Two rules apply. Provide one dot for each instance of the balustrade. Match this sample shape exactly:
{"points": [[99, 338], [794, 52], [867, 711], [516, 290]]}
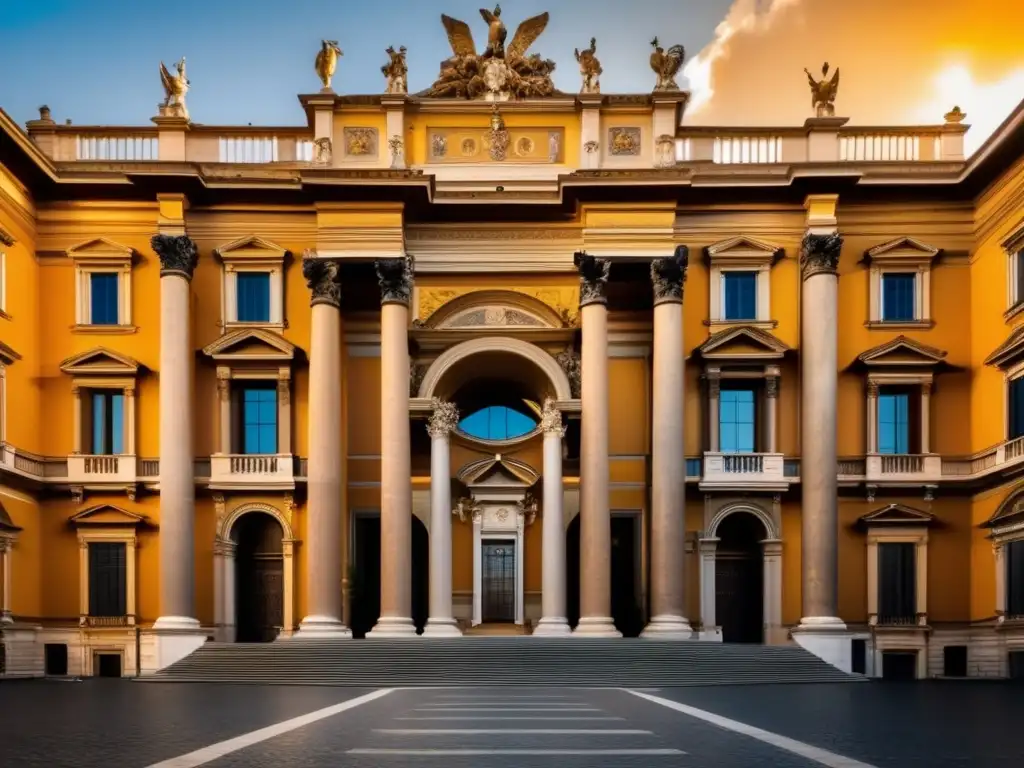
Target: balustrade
{"points": [[126, 148]]}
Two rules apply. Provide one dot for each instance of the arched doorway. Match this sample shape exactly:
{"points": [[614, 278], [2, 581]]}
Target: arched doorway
{"points": [[739, 579], [259, 578]]}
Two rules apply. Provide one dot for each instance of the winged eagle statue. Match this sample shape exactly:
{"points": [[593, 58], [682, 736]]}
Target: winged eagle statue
{"points": [[175, 88], [326, 62], [503, 70], [823, 92], [666, 65]]}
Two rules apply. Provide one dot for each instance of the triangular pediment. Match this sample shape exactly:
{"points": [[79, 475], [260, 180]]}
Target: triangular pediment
{"points": [[6, 524], [8, 355], [1010, 351], [743, 248], [903, 353], [1009, 516], [101, 249], [251, 344], [252, 247], [498, 472], [897, 514], [107, 515], [744, 342], [905, 249], [101, 362]]}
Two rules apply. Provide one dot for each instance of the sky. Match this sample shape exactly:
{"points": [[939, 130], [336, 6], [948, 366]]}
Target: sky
{"points": [[901, 61]]}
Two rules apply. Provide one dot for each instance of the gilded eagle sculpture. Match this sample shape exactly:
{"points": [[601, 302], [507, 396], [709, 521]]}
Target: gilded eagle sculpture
{"points": [[326, 63], [666, 65], [824, 91], [175, 88], [502, 71]]}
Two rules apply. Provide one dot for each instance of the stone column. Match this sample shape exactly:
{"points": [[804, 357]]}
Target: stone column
{"points": [[443, 422], [325, 471], [819, 464], [79, 443], [553, 620], [396, 278], [668, 460], [714, 385], [872, 425], [771, 412], [224, 409], [595, 515], [926, 408], [178, 260], [5, 574]]}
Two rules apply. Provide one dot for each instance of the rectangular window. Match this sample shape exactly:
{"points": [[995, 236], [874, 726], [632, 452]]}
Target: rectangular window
{"points": [[103, 298], [898, 290], [1015, 579], [259, 420], [107, 423], [107, 579], [1018, 263], [897, 596], [253, 290], [736, 420], [894, 422], [740, 295], [1016, 403]]}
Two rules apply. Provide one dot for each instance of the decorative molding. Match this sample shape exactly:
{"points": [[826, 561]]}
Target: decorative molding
{"points": [[323, 280], [771, 386], [554, 307], [361, 142], [819, 254], [443, 420], [903, 353], [6, 238], [101, 362], [253, 344], [497, 472], [744, 342], [625, 141], [101, 250], [178, 255], [743, 250], [668, 276], [7, 355], [226, 524], [395, 277], [467, 507], [107, 515], [902, 250], [593, 278], [551, 419], [252, 247], [897, 514]]}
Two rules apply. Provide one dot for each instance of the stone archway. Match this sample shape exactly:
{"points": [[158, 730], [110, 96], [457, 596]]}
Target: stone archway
{"points": [[225, 550], [761, 531]]}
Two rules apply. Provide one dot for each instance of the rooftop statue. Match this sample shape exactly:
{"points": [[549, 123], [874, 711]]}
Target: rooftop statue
{"points": [[666, 65], [501, 72], [327, 62], [823, 92], [175, 88], [590, 68], [396, 71]]}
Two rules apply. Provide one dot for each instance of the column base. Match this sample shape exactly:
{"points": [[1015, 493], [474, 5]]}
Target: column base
{"points": [[827, 638], [322, 628], [160, 647], [667, 627], [552, 626], [441, 628], [176, 623], [392, 627], [596, 626]]}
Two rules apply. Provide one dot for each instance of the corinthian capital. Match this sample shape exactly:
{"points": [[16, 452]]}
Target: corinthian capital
{"points": [[444, 420], [820, 253], [395, 278], [178, 255], [668, 276], [323, 280], [551, 419], [593, 278]]}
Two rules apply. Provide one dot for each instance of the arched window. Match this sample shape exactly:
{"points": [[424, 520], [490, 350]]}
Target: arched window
{"points": [[497, 422]]}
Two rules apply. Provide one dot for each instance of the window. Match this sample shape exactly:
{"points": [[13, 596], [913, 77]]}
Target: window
{"points": [[1018, 274], [103, 282], [739, 295], [736, 420], [1015, 579], [104, 301], [1016, 408], [898, 292], [107, 579], [897, 598], [3, 279], [253, 297], [259, 420], [894, 422], [497, 422], [107, 423]]}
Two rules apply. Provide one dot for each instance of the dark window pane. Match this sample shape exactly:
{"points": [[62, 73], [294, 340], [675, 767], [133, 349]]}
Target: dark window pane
{"points": [[104, 299], [898, 289], [107, 579], [740, 295], [107, 423], [1016, 401], [1015, 578], [897, 597], [253, 294]]}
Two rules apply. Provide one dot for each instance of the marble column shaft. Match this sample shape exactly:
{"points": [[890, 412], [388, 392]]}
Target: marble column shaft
{"points": [[325, 470], [553, 599], [178, 260], [443, 421], [819, 463]]}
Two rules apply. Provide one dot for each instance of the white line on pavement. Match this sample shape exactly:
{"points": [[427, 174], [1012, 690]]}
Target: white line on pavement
{"points": [[501, 698], [220, 749], [517, 731], [506, 709], [545, 718], [515, 752], [818, 755]]}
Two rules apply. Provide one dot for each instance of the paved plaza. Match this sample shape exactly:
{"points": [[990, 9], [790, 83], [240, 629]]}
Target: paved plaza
{"points": [[134, 725]]}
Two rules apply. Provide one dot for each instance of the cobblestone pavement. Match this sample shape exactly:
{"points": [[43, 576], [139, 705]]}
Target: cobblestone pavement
{"points": [[97, 722]]}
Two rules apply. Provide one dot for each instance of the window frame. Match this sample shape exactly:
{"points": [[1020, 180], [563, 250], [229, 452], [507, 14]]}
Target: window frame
{"points": [[915, 279], [726, 274], [1013, 246], [908, 422], [535, 423], [232, 380], [899, 528], [102, 256], [92, 548], [109, 394], [740, 385], [741, 254], [252, 254], [240, 405], [902, 255], [121, 534]]}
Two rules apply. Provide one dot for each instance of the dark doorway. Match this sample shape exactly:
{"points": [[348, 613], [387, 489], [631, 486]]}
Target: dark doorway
{"points": [[572, 572], [420, 574], [954, 661], [108, 665], [364, 578], [739, 579], [55, 659], [498, 581], [626, 611], [259, 578], [899, 665]]}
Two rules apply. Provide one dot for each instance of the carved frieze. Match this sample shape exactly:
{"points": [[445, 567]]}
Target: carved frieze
{"points": [[497, 143], [494, 317], [178, 255], [569, 360], [593, 278], [443, 420], [361, 142], [820, 254], [624, 142], [668, 276], [565, 301], [323, 279], [395, 277]]}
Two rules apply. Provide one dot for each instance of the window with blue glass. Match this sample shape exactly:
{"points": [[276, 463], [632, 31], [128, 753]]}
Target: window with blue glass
{"points": [[103, 298], [259, 420], [736, 420], [497, 422], [253, 293], [1016, 402], [893, 422], [107, 423], [739, 291], [898, 296]]}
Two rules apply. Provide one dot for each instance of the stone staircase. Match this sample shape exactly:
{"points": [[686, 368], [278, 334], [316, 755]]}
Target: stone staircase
{"points": [[497, 630], [499, 661]]}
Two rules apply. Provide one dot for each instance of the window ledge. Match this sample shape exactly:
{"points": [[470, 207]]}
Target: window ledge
{"points": [[113, 330], [1009, 314], [763, 324], [235, 325], [899, 325]]}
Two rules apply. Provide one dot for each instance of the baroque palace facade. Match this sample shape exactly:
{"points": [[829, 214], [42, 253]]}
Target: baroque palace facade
{"points": [[497, 358]]}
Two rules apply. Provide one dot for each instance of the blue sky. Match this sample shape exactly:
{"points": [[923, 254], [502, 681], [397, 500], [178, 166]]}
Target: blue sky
{"points": [[96, 61]]}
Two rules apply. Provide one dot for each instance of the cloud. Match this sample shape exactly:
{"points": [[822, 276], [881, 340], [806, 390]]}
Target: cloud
{"points": [[902, 61]]}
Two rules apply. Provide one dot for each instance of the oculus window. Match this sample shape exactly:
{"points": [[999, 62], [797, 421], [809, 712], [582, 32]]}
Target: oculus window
{"points": [[498, 422]]}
